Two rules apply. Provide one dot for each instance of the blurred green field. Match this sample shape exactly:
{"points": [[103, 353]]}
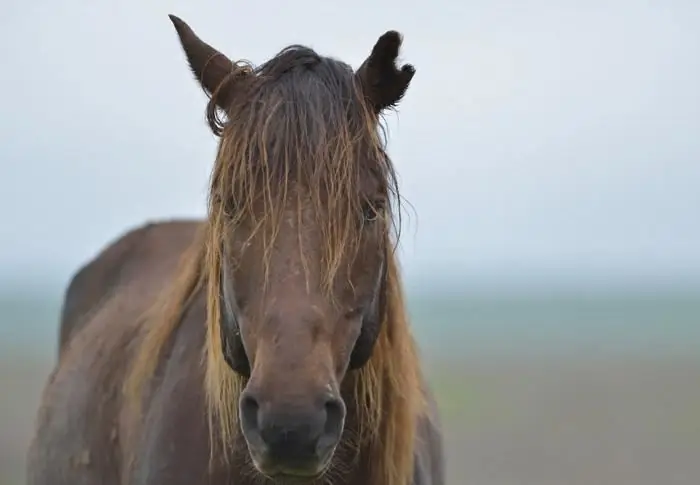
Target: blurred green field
{"points": [[582, 325], [533, 390]]}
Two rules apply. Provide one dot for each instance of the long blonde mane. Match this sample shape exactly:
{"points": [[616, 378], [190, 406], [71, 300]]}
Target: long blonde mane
{"points": [[387, 391]]}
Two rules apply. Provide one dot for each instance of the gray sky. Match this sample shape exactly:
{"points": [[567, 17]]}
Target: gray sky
{"points": [[540, 140]]}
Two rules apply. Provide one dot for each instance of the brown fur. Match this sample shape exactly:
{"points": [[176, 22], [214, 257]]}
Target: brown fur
{"points": [[129, 339]]}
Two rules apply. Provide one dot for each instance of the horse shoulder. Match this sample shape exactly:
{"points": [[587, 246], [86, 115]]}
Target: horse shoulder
{"points": [[96, 280], [429, 468], [173, 443], [76, 437]]}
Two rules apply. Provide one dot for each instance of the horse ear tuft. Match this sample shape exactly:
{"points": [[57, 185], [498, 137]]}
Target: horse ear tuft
{"points": [[382, 82]]}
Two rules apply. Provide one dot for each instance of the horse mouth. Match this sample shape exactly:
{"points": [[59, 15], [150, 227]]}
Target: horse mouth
{"points": [[292, 469]]}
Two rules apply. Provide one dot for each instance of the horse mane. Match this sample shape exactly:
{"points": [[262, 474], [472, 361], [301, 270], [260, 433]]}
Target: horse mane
{"points": [[261, 152]]}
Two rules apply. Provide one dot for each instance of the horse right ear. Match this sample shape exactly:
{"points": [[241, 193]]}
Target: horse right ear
{"points": [[383, 83], [210, 67]]}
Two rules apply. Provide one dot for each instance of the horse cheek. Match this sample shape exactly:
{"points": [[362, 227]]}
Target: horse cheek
{"points": [[364, 345], [232, 346]]}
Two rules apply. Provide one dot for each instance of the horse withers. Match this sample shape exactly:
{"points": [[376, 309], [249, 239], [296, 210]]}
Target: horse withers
{"points": [[268, 343]]}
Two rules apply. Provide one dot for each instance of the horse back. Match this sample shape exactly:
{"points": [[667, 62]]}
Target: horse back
{"points": [[93, 284]]}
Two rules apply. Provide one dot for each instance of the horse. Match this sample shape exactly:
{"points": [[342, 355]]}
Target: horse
{"points": [[269, 341]]}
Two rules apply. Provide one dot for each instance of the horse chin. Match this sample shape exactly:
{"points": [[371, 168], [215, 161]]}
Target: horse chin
{"points": [[293, 478], [283, 475]]}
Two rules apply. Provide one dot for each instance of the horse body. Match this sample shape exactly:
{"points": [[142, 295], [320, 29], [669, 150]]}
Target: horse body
{"points": [[82, 423], [88, 435], [268, 343]]}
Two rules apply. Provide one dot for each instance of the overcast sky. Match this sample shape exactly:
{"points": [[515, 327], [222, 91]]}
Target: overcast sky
{"points": [[540, 139]]}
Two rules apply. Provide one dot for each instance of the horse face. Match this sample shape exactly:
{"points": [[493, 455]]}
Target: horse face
{"points": [[304, 263], [295, 338]]}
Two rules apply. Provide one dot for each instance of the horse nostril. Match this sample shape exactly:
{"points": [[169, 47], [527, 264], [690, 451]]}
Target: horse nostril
{"points": [[335, 416], [249, 408]]}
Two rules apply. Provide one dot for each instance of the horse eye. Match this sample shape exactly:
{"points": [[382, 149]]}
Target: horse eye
{"points": [[370, 211]]}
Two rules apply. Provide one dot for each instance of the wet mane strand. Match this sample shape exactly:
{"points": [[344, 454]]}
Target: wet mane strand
{"points": [[299, 121]]}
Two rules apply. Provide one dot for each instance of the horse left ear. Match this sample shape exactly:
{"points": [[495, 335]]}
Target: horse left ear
{"points": [[209, 66], [382, 82]]}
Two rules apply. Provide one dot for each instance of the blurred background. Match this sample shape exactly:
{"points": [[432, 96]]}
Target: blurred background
{"points": [[551, 155]]}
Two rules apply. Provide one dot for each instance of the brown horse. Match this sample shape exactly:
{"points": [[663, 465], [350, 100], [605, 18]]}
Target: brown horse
{"points": [[269, 343]]}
